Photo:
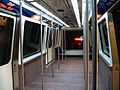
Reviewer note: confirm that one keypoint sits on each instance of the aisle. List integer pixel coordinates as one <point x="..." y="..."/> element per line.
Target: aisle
<point x="69" y="77"/>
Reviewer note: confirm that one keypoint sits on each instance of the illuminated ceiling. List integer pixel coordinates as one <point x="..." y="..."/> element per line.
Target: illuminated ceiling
<point x="63" y="9"/>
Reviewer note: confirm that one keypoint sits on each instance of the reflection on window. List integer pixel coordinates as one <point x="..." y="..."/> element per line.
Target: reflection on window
<point x="6" y="32"/>
<point x="104" y="37"/>
<point x="31" y="39"/>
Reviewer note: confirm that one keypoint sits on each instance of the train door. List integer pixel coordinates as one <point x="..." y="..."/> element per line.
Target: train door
<point x="7" y="29"/>
<point x="105" y="58"/>
<point x="108" y="54"/>
<point x="115" y="34"/>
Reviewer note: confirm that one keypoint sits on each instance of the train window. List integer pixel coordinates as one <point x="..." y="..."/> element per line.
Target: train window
<point x="31" y="39"/>
<point x="6" y="32"/>
<point x="104" y="37"/>
<point x="50" y="39"/>
<point x="47" y="38"/>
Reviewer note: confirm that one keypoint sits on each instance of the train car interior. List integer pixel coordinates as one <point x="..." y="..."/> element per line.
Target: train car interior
<point x="59" y="44"/>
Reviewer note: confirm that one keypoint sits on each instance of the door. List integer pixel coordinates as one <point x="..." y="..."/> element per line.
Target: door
<point x="7" y="28"/>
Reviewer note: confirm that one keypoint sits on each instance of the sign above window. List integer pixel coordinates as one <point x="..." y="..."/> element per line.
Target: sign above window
<point x="8" y="5"/>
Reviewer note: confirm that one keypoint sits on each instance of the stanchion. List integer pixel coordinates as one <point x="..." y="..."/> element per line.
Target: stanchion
<point x="22" y="87"/>
<point x="62" y="44"/>
<point x="94" y="46"/>
<point x="86" y="49"/>
<point x="52" y="50"/>
<point x="42" y="65"/>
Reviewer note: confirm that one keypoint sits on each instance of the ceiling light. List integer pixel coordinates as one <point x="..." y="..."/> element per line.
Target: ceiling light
<point x="76" y="11"/>
<point x="36" y="17"/>
<point x="30" y="0"/>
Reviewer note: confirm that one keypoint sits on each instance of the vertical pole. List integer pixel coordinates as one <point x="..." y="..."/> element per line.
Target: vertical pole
<point x="48" y="44"/>
<point x="86" y="48"/>
<point x="62" y="45"/>
<point x="94" y="45"/>
<point x="42" y="66"/>
<point x="58" y="48"/>
<point x="52" y="51"/>
<point x="21" y="49"/>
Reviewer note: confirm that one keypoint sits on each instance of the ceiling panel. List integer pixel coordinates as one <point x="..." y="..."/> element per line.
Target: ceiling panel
<point x="63" y="9"/>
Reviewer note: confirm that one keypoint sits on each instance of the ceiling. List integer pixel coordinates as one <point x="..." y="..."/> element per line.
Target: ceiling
<point x="63" y="9"/>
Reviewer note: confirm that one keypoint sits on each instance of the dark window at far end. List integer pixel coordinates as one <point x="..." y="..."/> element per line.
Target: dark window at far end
<point x="74" y="39"/>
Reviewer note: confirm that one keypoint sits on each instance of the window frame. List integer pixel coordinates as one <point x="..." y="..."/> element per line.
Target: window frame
<point x="107" y="59"/>
<point x="103" y="38"/>
<point x="31" y="57"/>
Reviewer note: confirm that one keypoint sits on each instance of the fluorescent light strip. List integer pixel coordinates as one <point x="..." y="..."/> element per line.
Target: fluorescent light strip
<point x="76" y="11"/>
<point x="30" y="0"/>
<point x="47" y="12"/>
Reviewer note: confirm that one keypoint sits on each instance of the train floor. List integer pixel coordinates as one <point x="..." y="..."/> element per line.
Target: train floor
<point x="70" y="76"/>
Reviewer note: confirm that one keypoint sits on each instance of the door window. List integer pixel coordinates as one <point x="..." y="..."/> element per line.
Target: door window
<point x="6" y="33"/>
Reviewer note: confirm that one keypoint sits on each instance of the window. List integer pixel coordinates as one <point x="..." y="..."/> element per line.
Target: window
<point x="47" y="38"/>
<point x="71" y="42"/>
<point x="31" y="43"/>
<point x="50" y="39"/>
<point x="6" y="33"/>
<point x="104" y="37"/>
